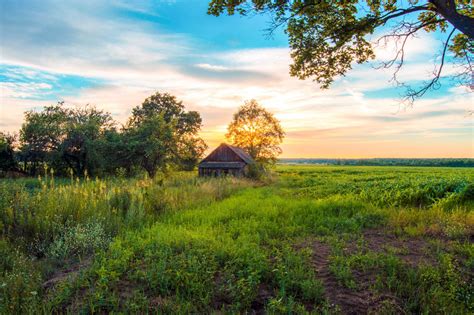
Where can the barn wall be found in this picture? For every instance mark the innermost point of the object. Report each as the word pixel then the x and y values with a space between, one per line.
pixel 216 172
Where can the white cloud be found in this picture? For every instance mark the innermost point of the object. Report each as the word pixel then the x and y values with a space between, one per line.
pixel 212 67
pixel 22 89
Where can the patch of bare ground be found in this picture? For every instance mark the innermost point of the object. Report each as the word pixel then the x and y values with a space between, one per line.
pixel 263 295
pixel 363 300
pixel 221 298
pixel 69 274
pixel 411 250
pixel 348 301
pixel 66 274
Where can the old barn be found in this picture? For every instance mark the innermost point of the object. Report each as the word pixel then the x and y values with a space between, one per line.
pixel 225 159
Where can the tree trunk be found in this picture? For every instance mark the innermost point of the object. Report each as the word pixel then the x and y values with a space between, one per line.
pixel 151 171
pixel 150 168
pixel 447 8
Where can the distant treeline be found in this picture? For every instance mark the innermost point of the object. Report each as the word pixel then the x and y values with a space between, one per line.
pixel 449 162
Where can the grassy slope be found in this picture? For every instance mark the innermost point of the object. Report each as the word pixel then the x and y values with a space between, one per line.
pixel 260 248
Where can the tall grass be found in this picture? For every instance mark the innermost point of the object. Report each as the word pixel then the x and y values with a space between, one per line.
pixel 182 244
pixel 37 217
pixel 46 223
pixel 218 257
pixel 221 257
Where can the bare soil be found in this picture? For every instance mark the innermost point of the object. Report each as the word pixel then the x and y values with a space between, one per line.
pixel 412 250
pixel 69 273
pixel 363 300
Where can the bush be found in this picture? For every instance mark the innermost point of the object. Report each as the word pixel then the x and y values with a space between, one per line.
pixel 82 239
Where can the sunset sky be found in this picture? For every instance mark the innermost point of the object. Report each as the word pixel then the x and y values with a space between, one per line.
pixel 113 54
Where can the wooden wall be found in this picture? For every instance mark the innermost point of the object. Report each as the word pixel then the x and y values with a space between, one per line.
pixel 216 172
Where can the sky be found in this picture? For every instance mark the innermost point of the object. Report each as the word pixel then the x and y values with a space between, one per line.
pixel 113 54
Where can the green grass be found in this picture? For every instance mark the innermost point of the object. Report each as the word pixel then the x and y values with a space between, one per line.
pixel 188 245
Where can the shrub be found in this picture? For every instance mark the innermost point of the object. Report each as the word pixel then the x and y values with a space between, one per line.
pixel 256 171
pixel 79 240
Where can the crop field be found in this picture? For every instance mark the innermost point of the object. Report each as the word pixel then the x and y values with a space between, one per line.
pixel 314 239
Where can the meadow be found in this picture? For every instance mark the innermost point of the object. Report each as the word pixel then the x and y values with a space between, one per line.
pixel 313 239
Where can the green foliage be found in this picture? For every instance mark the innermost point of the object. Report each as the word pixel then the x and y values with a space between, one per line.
pixel 438 287
pixel 51 212
pixel 19 281
pixel 442 162
pixel 160 133
pixel 64 138
pixel 83 140
pixel 295 277
pixel 150 144
pixel 40 136
pixel 392 187
pixel 257 171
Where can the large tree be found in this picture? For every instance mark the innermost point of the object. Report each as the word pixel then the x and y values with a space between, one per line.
pixel 327 36
pixel 84 139
pixel 160 132
pixel 257 131
pixel 151 143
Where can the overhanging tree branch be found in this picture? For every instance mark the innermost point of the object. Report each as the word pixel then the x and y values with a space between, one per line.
pixel 400 12
pixel 402 33
pixel 412 94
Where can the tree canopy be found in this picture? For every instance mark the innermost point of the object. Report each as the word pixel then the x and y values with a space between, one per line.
pixel 257 131
pixel 160 131
pixel 327 37
pixel 85 140
pixel 64 138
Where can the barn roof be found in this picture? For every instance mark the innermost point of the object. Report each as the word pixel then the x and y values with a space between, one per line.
pixel 241 153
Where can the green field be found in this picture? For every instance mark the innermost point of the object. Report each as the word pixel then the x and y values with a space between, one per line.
pixel 314 239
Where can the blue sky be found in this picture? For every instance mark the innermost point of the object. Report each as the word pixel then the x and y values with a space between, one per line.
pixel 113 54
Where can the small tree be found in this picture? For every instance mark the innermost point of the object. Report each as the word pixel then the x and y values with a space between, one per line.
pixel 7 154
pixel 257 131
